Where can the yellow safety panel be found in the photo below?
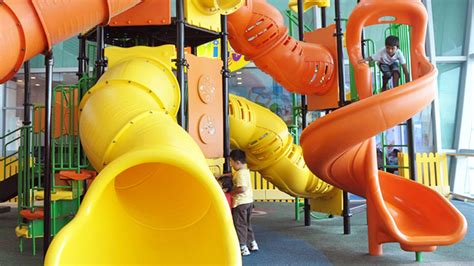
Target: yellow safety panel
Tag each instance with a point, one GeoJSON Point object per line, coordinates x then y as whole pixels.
{"type": "Point", "coordinates": [9, 167]}
{"type": "Point", "coordinates": [431, 170]}
{"type": "Point", "coordinates": [213, 50]}
{"type": "Point", "coordinates": [331, 203]}
{"type": "Point", "coordinates": [216, 166]}
{"type": "Point", "coordinates": [307, 4]}
{"type": "Point", "coordinates": [22, 231]}
{"type": "Point", "coordinates": [57, 195]}
{"type": "Point", "coordinates": [207, 13]}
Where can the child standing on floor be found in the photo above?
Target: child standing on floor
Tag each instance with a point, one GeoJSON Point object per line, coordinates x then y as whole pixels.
{"type": "Point", "coordinates": [226, 185]}
{"type": "Point", "coordinates": [389, 59]}
{"type": "Point", "coordinates": [242, 202]}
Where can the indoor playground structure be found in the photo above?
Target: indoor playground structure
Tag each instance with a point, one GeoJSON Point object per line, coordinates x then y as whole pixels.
{"type": "Point", "coordinates": [123, 163]}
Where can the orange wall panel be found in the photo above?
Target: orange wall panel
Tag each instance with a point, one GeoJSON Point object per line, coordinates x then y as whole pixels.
{"type": "Point", "coordinates": [147, 13]}
{"type": "Point", "coordinates": [205, 104]}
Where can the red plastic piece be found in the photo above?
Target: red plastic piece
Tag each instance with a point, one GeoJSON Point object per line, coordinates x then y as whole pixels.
{"type": "Point", "coordinates": [37, 214]}
{"type": "Point", "coordinates": [74, 175]}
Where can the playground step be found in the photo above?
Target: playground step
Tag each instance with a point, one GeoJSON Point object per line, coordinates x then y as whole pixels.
{"type": "Point", "coordinates": [58, 195]}
{"type": "Point", "coordinates": [22, 231]}
{"type": "Point", "coordinates": [74, 175]}
{"type": "Point", "coordinates": [36, 214]}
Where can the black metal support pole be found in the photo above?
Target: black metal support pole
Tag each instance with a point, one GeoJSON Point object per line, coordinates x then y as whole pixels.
{"type": "Point", "coordinates": [82, 58]}
{"type": "Point", "coordinates": [27, 97]}
{"type": "Point", "coordinates": [346, 212]}
{"type": "Point", "coordinates": [26, 122]}
{"type": "Point", "coordinates": [82, 72]}
{"type": "Point", "coordinates": [194, 50]}
{"type": "Point", "coordinates": [304, 107]}
{"type": "Point", "coordinates": [225, 92]}
{"type": "Point", "coordinates": [181, 62]}
{"type": "Point", "coordinates": [411, 149]}
{"type": "Point", "coordinates": [100, 63]}
{"type": "Point", "coordinates": [300, 20]}
{"type": "Point", "coordinates": [362, 42]}
{"type": "Point", "coordinates": [49, 62]}
{"type": "Point", "coordinates": [340, 54]}
{"type": "Point", "coordinates": [323, 17]}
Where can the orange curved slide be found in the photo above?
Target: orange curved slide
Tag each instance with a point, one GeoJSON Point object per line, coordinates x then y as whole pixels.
{"type": "Point", "coordinates": [33, 27]}
{"type": "Point", "coordinates": [257, 30]}
{"type": "Point", "coordinates": [399, 210]}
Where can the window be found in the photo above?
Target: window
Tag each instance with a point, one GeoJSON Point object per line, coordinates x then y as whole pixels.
{"type": "Point", "coordinates": [449, 21]}
{"type": "Point", "coordinates": [255, 85]}
{"type": "Point", "coordinates": [65, 55]}
{"type": "Point", "coordinates": [448, 89]}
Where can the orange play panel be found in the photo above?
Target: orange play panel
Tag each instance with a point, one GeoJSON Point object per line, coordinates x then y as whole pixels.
{"type": "Point", "coordinates": [147, 13]}
{"type": "Point", "coordinates": [62, 116]}
{"type": "Point", "coordinates": [205, 104]}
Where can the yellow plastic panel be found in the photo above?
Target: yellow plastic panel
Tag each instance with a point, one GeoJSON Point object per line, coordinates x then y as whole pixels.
{"type": "Point", "coordinates": [21, 231]}
{"type": "Point", "coordinates": [307, 4]}
{"type": "Point", "coordinates": [57, 195]}
{"type": "Point", "coordinates": [213, 50]}
{"type": "Point", "coordinates": [206, 13]}
{"type": "Point", "coordinates": [332, 203]}
{"type": "Point", "coordinates": [216, 166]}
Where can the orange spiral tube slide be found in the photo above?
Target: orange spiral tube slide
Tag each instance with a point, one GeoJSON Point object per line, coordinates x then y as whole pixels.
{"type": "Point", "coordinates": [257, 30]}
{"type": "Point", "coordinates": [34, 26]}
{"type": "Point", "coordinates": [398, 210]}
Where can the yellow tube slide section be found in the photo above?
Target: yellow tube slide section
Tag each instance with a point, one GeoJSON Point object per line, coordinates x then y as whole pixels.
{"type": "Point", "coordinates": [34, 26]}
{"type": "Point", "coordinates": [270, 149]}
{"type": "Point", "coordinates": [155, 201]}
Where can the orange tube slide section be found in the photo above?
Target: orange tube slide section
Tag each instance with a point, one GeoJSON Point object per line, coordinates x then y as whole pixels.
{"type": "Point", "coordinates": [399, 210]}
{"type": "Point", "coordinates": [33, 27]}
{"type": "Point", "coordinates": [257, 30]}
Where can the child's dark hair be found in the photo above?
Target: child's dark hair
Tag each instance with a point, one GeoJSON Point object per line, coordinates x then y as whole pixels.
{"type": "Point", "coordinates": [392, 41]}
{"type": "Point", "coordinates": [226, 182]}
{"type": "Point", "coordinates": [238, 156]}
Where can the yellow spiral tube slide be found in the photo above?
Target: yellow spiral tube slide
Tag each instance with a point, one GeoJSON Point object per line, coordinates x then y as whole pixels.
{"type": "Point", "coordinates": [155, 200]}
{"type": "Point", "coordinates": [270, 150]}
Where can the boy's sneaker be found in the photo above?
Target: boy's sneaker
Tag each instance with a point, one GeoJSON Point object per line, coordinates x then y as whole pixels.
{"type": "Point", "coordinates": [253, 246]}
{"type": "Point", "coordinates": [244, 250]}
